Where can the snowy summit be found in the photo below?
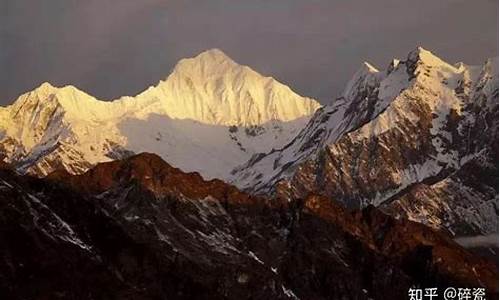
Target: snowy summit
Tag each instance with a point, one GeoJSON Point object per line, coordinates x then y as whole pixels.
{"type": "Point", "coordinates": [209, 115]}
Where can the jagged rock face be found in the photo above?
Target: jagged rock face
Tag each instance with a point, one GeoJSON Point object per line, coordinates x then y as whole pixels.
{"type": "Point", "coordinates": [141, 229]}
{"type": "Point", "coordinates": [210, 115]}
{"type": "Point", "coordinates": [463, 203]}
{"type": "Point", "coordinates": [355, 107]}
{"type": "Point", "coordinates": [418, 131]}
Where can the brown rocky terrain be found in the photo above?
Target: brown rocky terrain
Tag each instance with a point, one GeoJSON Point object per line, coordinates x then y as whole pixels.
{"type": "Point", "coordinates": [141, 229]}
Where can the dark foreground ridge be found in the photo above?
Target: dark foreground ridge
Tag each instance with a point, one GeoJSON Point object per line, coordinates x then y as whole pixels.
{"type": "Point", "coordinates": [141, 229]}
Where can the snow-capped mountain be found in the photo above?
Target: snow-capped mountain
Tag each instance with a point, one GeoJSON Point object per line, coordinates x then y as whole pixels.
{"type": "Point", "coordinates": [419, 140]}
{"type": "Point", "coordinates": [209, 115]}
{"type": "Point", "coordinates": [212, 89]}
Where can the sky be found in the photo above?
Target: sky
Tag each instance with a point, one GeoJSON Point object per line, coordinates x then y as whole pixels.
{"type": "Point", "coordinates": [112, 48]}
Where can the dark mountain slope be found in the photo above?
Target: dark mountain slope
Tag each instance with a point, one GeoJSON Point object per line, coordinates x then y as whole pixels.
{"type": "Point", "coordinates": [141, 229]}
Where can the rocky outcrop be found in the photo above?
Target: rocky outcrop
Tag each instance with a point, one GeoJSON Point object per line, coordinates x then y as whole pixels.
{"type": "Point", "coordinates": [141, 229]}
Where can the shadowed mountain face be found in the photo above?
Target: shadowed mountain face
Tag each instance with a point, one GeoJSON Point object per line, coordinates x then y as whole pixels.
{"type": "Point", "coordinates": [141, 229]}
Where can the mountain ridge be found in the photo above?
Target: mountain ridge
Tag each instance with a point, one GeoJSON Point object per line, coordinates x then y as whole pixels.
{"type": "Point", "coordinates": [389, 131]}
{"type": "Point", "coordinates": [204, 67]}
{"type": "Point", "coordinates": [143, 229]}
{"type": "Point", "coordinates": [244, 112]}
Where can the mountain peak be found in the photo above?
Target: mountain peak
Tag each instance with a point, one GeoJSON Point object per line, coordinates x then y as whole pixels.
{"type": "Point", "coordinates": [46, 86]}
{"type": "Point", "coordinates": [45, 89]}
{"type": "Point", "coordinates": [216, 90]}
{"type": "Point", "coordinates": [366, 75]}
{"type": "Point", "coordinates": [39, 95]}
{"type": "Point", "coordinates": [207, 63]}
{"type": "Point", "coordinates": [420, 51]}
{"type": "Point", "coordinates": [369, 67]}
{"type": "Point", "coordinates": [426, 57]}
{"type": "Point", "coordinates": [151, 172]}
{"type": "Point", "coordinates": [214, 53]}
{"type": "Point", "coordinates": [392, 65]}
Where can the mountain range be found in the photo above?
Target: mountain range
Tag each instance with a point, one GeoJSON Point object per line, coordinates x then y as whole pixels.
{"type": "Point", "coordinates": [209, 115]}
{"type": "Point", "coordinates": [139, 228]}
{"type": "Point", "coordinates": [419, 140]}
{"type": "Point", "coordinates": [221, 183]}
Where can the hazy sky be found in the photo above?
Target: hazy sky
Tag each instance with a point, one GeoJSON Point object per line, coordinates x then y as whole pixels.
{"type": "Point", "coordinates": [111, 48]}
